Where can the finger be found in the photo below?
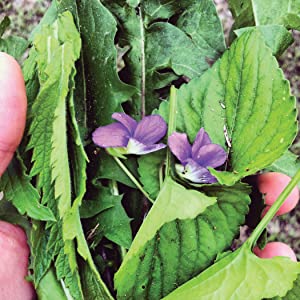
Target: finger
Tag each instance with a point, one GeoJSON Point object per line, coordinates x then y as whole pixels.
{"type": "Point", "coordinates": [272, 184]}
{"type": "Point", "coordinates": [13, 105]}
{"type": "Point", "coordinates": [14, 264]}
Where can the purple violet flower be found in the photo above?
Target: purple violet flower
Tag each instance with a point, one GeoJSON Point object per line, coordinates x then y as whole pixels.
{"type": "Point", "coordinates": [131, 136]}
{"type": "Point", "coordinates": [196, 158]}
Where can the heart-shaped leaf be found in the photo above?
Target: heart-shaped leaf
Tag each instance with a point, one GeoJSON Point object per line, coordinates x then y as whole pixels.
{"type": "Point", "coordinates": [241, 275]}
{"type": "Point", "coordinates": [237, 101]}
{"type": "Point", "coordinates": [181, 236]}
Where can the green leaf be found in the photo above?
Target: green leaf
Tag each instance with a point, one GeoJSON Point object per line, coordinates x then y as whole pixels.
{"type": "Point", "coordinates": [150, 167]}
{"type": "Point", "coordinates": [68, 53]}
{"type": "Point", "coordinates": [263, 240]}
{"type": "Point", "coordinates": [78, 159]}
{"type": "Point", "coordinates": [104, 88]}
{"type": "Point", "coordinates": [164, 9]}
{"type": "Point", "coordinates": [107, 168]}
{"type": "Point", "coordinates": [14, 46]}
{"type": "Point", "coordinates": [114, 225]}
{"type": "Point", "coordinates": [201, 23]}
{"type": "Point", "coordinates": [287, 164]}
{"type": "Point", "coordinates": [58, 47]}
{"type": "Point", "coordinates": [277, 37]}
{"type": "Point", "coordinates": [49, 288]}
{"type": "Point", "coordinates": [70, 276]}
{"type": "Point", "coordinates": [261, 12]}
{"type": "Point", "coordinates": [92, 206]}
{"type": "Point", "coordinates": [4, 24]}
{"type": "Point", "coordinates": [241, 275]}
{"type": "Point", "coordinates": [48, 246]}
{"type": "Point", "coordinates": [55, 65]}
{"type": "Point", "coordinates": [45, 241]}
{"type": "Point", "coordinates": [41, 254]}
{"type": "Point", "coordinates": [260, 111]}
{"type": "Point", "coordinates": [79, 104]}
{"type": "Point", "coordinates": [278, 12]}
{"type": "Point", "coordinates": [294, 293]}
{"type": "Point", "coordinates": [18, 189]}
{"type": "Point", "coordinates": [49, 18]}
{"type": "Point", "coordinates": [90, 284]}
{"type": "Point", "coordinates": [72, 229]}
{"type": "Point", "coordinates": [10, 214]}
{"type": "Point", "coordinates": [78, 156]}
{"type": "Point", "coordinates": [257, 110]}
{"type": "Point", "coordinates": [173, 202]}
{"type": "Point", "coordinates": [242, 13]}
{"type": "Point", "coordinates": [30, 74]}
{"type": "Point", "coordinates": [152, 62]}
{"type": "Point", "coordinates": [182, 235]}
{"type": "Point", "coordinates": [194, 110]}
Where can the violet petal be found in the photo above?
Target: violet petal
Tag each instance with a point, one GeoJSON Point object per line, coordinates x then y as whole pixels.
{"type": "Point", "coordinates": [112, 135]}
{"type": "Point", "coordinates": [201, 139]}
{"type": "Point", "coordinates": [126, 121]}
{"type": "Point", "coordinates": [136, 147]}
{"type": "Point", "coordinates": [150, 129]}
{"type": "Point", "coordinates": [196, 173]}
{"type": "Point", "coordinates": [180, 146]}
{"type": "Point", "coordinates": [211, 155]}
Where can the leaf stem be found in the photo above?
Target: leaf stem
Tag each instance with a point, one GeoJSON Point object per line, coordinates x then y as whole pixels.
{"type": "Point", "coordinates": [143, 70]}
{"type": "Point", "coordinates": [132, 178]}
{"type": "Point", "coordinates": [161, 175]}
{"type": "Point", "coordinates": [123, 252]}
{"type": "Point", "coordinates": [272, 211]}
{"type": "Point", "coordinates": [114, 188]}
{"type": "Point", "coordinates": [171, 125]}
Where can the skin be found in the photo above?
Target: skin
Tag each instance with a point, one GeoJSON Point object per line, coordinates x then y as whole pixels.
{"type": "Point", "coordinates": [271, 185]}
{"type": "Point", "coordinates": [275, 249]}
{"type": "Point", "coordinates": [13, 240]}
{"type": "Point", "coordinates": [14, 264]}
{"type": "Point", "coordinates": [12, 109]}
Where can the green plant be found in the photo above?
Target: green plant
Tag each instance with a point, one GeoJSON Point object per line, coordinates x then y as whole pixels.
{"type": "Point", "coordinates": [181, 245]}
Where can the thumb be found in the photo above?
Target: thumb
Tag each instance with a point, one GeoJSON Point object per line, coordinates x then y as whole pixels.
{"type": "Point", "coordinates": [13, 105]}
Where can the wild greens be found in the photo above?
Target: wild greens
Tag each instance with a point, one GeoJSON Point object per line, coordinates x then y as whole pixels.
{"type": "Point", "coordinates": [95, 233]}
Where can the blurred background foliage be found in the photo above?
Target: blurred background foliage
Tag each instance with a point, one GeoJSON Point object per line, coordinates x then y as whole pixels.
{"type": "Point", "coordinates": [25, 14]}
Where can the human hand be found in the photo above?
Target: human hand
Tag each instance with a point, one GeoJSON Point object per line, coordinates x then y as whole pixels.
{"type": "Point", "coordinates": [13, 241]}
{"type": "Point", "coordinates": [271, 185]}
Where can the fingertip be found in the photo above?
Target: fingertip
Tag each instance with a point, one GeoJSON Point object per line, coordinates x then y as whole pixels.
{"type": "Point", "coordinates": [13, 107]}
{"type": "Point", "coordinates": [271, 185]}
{"type": "Point", "coordinates": [14, 263]}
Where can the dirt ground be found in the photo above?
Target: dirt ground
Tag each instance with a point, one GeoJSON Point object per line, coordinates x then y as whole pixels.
{"type": "Point", "coordinates": [25, 14]}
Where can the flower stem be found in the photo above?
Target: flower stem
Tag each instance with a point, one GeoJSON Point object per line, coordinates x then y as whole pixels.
{"type": "Point", "coordinates": [272, 211]}
{"type": "Point", "coordinates": [171, 125]}
{"type": "Point", "coordinates": [132, 178]}
{"type": "Point", "coordinates": [143, 70]}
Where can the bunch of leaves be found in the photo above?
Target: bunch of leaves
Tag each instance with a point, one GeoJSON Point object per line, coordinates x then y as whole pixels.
{"type": "Point", "coordinates": [81, 201]}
